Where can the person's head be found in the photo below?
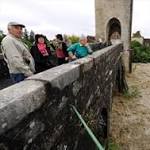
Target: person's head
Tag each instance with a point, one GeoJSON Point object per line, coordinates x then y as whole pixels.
{"type": "Point", "coordinates": [39, 38]}
{"type": "Point", "coordinates": [15, 29]}
{"type": "Point", "coordinates": [59, 37]}
{"type": "Point", "coordinates": [83, 40]}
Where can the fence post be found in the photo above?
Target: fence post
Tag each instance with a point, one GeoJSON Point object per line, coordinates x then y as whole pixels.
{"type": "Point", "coordinates": [130, 60]}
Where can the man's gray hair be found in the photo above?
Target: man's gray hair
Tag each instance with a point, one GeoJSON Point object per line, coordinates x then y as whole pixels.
{"type": "Point", "coordinates": [9, 27]}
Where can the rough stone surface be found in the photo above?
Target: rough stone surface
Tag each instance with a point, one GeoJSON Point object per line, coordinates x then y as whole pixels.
{"type": "Point", "coordinates": [36, 114]}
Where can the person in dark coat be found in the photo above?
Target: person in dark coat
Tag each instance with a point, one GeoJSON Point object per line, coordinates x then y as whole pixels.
{"type": "Point", "coordinates": [41, 54]}
{"type": "Point", "coordinates": [61, 50]}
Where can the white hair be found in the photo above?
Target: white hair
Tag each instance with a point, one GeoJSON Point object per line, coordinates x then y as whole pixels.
{"type": "Point", "coordinates": [82, 37]}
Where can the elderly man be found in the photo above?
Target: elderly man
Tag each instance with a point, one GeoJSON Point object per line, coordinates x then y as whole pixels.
{"type": "Point", "coordinates": [79, 50]}
{"type": "Point", "coordinates": [16, 53]}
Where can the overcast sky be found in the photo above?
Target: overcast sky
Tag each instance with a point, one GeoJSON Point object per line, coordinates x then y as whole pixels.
{"type": "Point", "coordinates": [77, 17]}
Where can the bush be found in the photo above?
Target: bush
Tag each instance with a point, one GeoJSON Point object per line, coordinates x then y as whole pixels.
{"type": "Point", "coordinates": [141, 53]}
{"type": "Point", "coordinates": [27, 42]}
{"type": "Point", "coordinates": [73, 39]}
{"type": "Point", "coordinates": [1, 38]}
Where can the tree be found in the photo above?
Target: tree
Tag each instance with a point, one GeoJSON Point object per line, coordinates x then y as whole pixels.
{"type": "Point", "coordinates": [26, 38]}
{"type": "Point", "coordinates": [141, 52]}
{"type": "Point", "coordinates": [25, 34]}
{"type": "Point", "coordinates": [137, 34]}
{"type": "Point", "coordinates": [31, 36]}
{"type": "Point", "coordinates": [2, 35]}
{"type": "Point", "coordinates": [73, 39]}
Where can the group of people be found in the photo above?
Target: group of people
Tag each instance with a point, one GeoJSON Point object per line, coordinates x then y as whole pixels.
{"type": "Point", "coordinates": [24, 62]}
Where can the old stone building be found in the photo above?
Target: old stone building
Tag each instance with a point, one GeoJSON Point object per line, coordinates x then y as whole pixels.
{"type": "Point", "coordinates": [113, 20]}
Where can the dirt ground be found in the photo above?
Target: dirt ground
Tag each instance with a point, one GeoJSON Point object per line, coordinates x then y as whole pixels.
{"type": "Point", "coordinates": [130, 127]}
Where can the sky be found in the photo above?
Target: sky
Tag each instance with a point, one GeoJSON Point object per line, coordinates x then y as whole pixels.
{"type": "Point", "coordinates": [141, 18]}
{"type": "Point", "coordinates": [50, 17]}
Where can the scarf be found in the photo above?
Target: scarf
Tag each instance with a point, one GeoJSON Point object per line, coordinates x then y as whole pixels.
{"type": "Point", "coordinates": [42, 49]}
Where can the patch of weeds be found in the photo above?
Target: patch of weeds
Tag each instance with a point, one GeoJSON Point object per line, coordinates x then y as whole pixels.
{"type": "Point", "coordinates": [113, 146]}
{"type": "Point", "coordinates": [132, 92]}
{"type": "Point", "coordinates": [91, 119]}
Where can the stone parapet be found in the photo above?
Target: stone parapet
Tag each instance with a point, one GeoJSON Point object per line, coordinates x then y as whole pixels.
{"type": "Point", "coordinates": [36, 113]}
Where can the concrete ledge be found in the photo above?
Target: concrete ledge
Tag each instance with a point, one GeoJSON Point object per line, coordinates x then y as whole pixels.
{"type": "Point", "coordinates": [60, 76]}
{"type": "Point", "coordinates": [19, 100]}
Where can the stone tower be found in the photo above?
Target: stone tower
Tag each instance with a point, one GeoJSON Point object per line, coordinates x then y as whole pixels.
{"type": "Point", "coordinates": [113, 20]}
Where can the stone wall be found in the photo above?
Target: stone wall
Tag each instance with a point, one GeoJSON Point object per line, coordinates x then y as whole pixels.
{"type": "Point", "coordinates": [36, 114]}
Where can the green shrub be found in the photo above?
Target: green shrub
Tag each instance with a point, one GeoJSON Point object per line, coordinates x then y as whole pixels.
{"type": "Point", "coordinates": [141, 52]}
{"type": "Point", "coordinates": [73, 39]}
{"type": "Point", "coordinates": [27, 42]}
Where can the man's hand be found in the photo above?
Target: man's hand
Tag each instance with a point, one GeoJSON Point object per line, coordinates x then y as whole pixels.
{"type": "Point", "coordinates": [28, 74]}
{"type": "Point", "coordinates": [73, 57]}
{"type": "Point", "coordinates": [66, 58]}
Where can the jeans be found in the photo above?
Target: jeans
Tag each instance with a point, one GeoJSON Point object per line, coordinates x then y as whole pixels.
{"type": "Point", "coordinates": [17, 77]}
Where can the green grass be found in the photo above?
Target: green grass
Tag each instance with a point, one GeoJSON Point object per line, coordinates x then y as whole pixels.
{"type": "Point", "coordinates": [133, 92]}
{"type": "Point", "coordinates": [113, 146]}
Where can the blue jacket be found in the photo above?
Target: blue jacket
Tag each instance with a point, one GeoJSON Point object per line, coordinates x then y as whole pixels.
{"type": "Point", "coordinates": [79, 50]}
